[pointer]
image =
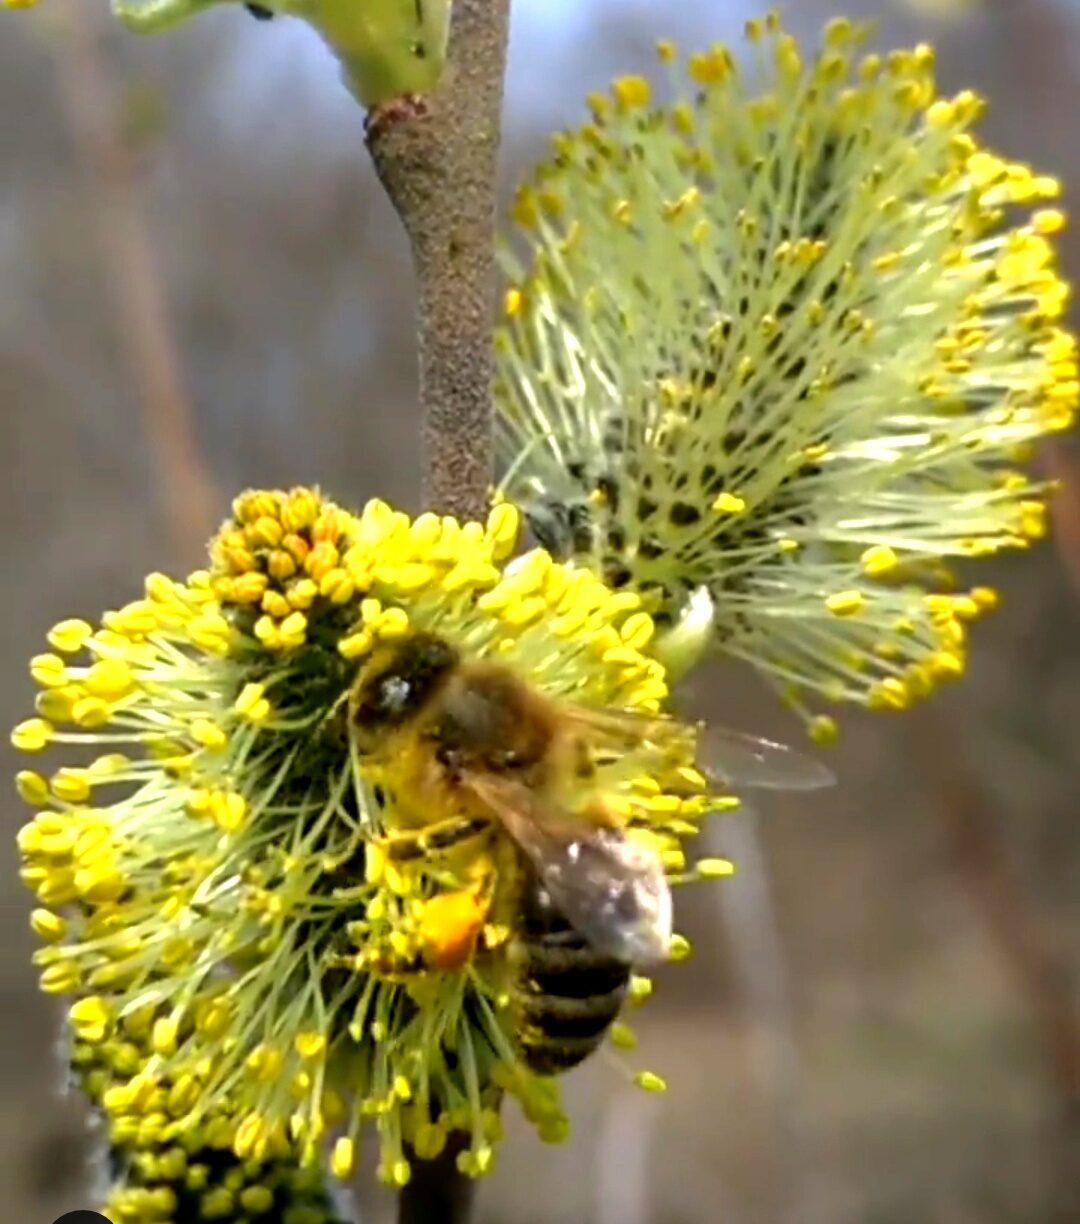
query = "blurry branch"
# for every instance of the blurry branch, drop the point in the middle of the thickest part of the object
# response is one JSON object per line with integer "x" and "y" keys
{"x": 436, "y": 156}
{"x": 1061, "y": 465}
{"x": 438, "y": 1193}
{"x": 623, "y": 1172}
{"x": 982, "y": 862}
{"x": 761, "y": 977}
{"x": 1042, "y": 64}
{"x": 93, "y": 113}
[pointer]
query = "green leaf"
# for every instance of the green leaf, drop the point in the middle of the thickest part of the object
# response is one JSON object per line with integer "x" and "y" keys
{"x": 150, "y": 16}
{"x": 387, "y": 47}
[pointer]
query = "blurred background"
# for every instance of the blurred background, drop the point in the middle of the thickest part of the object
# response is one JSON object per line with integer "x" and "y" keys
{"x": 202, "y": 288}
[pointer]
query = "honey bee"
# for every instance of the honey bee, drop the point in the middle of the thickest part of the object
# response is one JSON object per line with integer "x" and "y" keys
{"x": 470, "y": 749}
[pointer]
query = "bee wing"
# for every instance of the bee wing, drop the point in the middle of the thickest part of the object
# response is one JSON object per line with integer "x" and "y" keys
{"x": 625, "y": 727}
{"x": 730, "y": 757}
{"x": 737, "y": 759}
{"x": 611, "y": 890}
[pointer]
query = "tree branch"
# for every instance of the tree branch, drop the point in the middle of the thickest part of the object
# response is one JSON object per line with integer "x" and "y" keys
{"x": 436, "y": 157}
{"x": 186, "y": 492}
{"x": 438, "y": 1193}
{"x": 983, "y": 864}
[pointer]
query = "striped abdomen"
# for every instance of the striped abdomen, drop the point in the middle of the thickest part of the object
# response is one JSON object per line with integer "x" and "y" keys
{"x": 567, "y": 994}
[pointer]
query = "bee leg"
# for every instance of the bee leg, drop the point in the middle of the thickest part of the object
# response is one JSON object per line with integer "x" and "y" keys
{"x": 390, "y": 966}
{"x": 434, "y": 839}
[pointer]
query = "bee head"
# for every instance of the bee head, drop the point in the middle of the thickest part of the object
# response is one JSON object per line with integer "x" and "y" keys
{"x": 399, "y": 681}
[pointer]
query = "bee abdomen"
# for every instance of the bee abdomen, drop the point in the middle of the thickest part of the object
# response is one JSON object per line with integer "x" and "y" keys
{"x": 546, "y": 1056}
{"x": 571, "y": 970}
{"x": 557, "y": 1017}
{"x": 568, "y": 995}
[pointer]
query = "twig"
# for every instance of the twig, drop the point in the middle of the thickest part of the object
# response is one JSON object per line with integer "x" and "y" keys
{"x": 438, "y": 1193}
{"x": 762, "y": 978}
{"x": 983, "y": 865}
{"x": 436, "y": 157}
{"x": 91, "y": 109}
{"x": 1060, "y": 465}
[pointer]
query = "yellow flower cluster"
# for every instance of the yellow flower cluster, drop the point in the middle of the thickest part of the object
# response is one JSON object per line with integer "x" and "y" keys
{"x": 161, "y": 1174}
{"x": 282, "y": 556}
{"x": 219, "y": 879}
{"x": 820, "y": 406}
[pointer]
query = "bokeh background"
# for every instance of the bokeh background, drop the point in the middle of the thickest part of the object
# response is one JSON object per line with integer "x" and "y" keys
{"x": 201, "y": 288}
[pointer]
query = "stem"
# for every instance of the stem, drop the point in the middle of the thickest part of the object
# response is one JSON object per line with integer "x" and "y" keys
{"x": 436, "y": 157}
{"x": 438, "y": 1193}
{"x": 763, "y": 980}
{"x": 1060, "y": 465}
{"x": 987, "y": 870}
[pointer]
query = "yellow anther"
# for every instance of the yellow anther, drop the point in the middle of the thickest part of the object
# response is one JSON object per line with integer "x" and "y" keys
{"x": 293, "y": 629}
{"x": 48, "y": 926}
{"x": 301, "y": 595}
{"x": 393, "y": 623}
{"x": 71, "y": 785}
{"x": 208, "y": 734}
{"x": 823, "y": 730}
{"x": 879, "y": 561}
{"x": 310, "y": 1044}
{"x": 679, "y": 948}
{"x": 49, "y": 670}
{"x": 164, "y": 1035}
{"x": 70, "y": 636}
{"x": 503, "y": 528}
{"x": 60, "y": 978}
{"x": 845, "y": 603}
{"x": 228, "y": 810}
{"x": 714, "y": 868}
{"x": 623, "y": 1036}
{"x": 252, "y": 703}
{"x": 356, "y": 644}
{"x": 729, "y": 503}
{"x": 300, "y": 511}
{"x": 321, "y": 560}
{"x": 91, "y": 1019}
{"x": 32, "y": 735}
{"x": 32, "y": 787}
{"x": 257, "y": 1200}
{"x": 265, "y": 1062}
{"x": 109, "y": 679}
{"x": 1048, "y": 221}
{"x": 946, "y": 665}
{"x": 631, "y": 92}
{"x": 650, "y": 1081}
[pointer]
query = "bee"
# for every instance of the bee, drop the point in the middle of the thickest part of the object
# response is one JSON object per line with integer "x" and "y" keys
{"x": 470, "y": 750}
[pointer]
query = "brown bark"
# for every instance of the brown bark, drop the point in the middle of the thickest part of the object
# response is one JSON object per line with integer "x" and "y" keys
{"x": 436, "y": 156}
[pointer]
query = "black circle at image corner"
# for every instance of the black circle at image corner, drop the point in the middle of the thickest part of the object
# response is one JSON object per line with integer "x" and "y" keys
{"x": 82, "y": 1217}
